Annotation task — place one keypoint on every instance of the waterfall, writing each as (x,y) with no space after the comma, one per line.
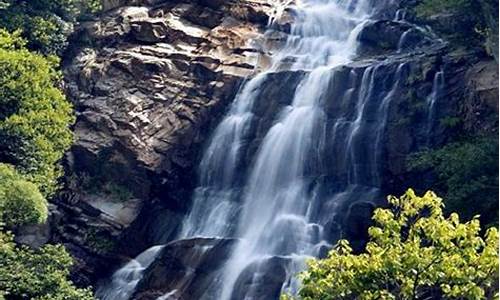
(214,208)
(311,45)
(124,281)
(275,214)
(437,88)
(308,162)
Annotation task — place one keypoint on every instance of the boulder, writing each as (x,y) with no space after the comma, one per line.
(385,36)
(261,280)
(184,269)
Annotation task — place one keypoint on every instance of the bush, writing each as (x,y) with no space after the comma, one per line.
(467,173)
(34,115)
(46,24)
(36,274)
(23,204)
(475,22)
(20,201)
(430,7)
(413,252)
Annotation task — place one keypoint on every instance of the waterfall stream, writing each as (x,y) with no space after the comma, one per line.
(278,206)
(275,213)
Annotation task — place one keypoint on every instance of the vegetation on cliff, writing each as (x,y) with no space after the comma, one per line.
(470,23)
(35,120)
(467,174)
(34,114)
(45,24)
(21,203)
(414,252)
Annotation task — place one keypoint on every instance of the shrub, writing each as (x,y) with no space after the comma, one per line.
(413,252)
(467,173)
(34,116)
(36,274)
(46,24)
(21,202)
(475,22)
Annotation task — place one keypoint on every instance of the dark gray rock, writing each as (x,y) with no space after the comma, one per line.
(384,36)
(356,223)
(261,280)
(186,266)
(149,80)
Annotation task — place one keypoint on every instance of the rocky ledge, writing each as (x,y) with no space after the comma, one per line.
(149,80)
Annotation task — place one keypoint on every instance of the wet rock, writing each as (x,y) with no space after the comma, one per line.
(155,225)
(261,280)
(185,268)
(356,223)
(384,36)
(149,80)
(482,103)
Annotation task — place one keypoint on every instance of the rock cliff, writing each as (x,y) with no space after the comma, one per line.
(149,81)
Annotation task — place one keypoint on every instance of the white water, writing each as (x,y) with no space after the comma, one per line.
(273,207)
(124,281)
(275,214)
(437,88)
(312,44)
(274,219)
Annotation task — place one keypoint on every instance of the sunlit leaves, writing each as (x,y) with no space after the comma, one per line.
(20,201)
(36,274)
(414,252)
(34,116)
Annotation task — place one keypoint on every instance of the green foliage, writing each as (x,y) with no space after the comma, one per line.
(117,192)
(34,116)
(21,202)
(99,240)
(98,184)
(36,274)
(46,24)
(470,26)
(414,252)
(430,7)
(11,41)
(450,122)
(34,129)
(467,174)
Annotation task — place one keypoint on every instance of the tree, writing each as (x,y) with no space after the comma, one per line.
(413,252)
(36,274)
(46,24)
(34,114)
(25,273)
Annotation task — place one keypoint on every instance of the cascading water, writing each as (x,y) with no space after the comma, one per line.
(279,206)
(275,217)
(311,44)
(124,281)
(214,208)
(437,88)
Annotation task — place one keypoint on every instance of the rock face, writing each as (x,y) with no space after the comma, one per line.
(184,269)
(387,35)
(150,79)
